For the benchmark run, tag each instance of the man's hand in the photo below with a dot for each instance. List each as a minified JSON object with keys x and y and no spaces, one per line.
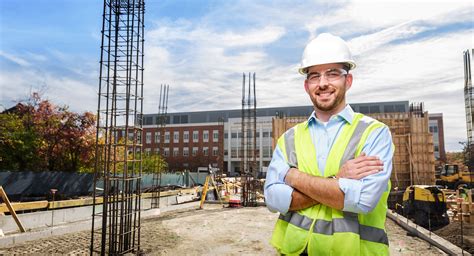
{"x":360,"y":167}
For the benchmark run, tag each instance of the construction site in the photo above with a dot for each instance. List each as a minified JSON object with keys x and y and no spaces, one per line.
{"x":205,"y":194}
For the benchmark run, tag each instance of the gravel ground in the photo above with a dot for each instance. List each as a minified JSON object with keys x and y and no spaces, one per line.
{"x":212,"y":231}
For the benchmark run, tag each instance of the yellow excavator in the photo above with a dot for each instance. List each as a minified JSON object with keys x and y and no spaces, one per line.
{"x":452,"y":177}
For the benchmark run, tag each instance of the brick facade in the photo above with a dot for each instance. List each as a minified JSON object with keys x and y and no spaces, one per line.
{"x":187,"y":147}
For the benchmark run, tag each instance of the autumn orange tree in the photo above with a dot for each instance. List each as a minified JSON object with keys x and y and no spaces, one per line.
{"x":37,"y":135}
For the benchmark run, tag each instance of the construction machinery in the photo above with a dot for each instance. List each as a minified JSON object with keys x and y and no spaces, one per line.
{"x":452,"y":177}
{"x":426,"y":205}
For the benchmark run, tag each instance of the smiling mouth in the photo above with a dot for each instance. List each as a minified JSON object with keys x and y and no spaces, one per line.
{"x":325,"y":94}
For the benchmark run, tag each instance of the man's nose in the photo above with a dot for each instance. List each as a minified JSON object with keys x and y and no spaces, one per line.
{"x":323,"y":82}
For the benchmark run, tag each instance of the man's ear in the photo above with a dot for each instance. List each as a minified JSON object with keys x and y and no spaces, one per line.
{"x":306,"y":86}
{"x":348,"y":81}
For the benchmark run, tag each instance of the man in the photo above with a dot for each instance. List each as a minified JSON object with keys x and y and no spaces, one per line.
{"x":330,"y":176}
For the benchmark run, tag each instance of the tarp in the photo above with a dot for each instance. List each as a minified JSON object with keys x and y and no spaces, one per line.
{"x":29,"y":186}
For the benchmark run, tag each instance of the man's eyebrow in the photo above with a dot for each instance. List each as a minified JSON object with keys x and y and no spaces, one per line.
{"x":314,"y":73}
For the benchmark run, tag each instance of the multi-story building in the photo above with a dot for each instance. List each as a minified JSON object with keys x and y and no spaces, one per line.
{"x":186,"y":146}
{"x":187,"y":143}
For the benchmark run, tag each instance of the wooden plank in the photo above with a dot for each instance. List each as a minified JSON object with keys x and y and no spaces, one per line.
{"x":10,"y":208}
{"x":426,"y":235}
{"x":25,"y":206}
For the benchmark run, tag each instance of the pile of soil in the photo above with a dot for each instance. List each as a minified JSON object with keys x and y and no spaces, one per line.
{"x":452,"y":233}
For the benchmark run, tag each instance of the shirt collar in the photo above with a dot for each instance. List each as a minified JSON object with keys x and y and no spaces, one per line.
{"x":346,"y":114}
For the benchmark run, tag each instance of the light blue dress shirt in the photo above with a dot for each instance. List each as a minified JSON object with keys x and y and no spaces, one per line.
{"x":360,"y":196}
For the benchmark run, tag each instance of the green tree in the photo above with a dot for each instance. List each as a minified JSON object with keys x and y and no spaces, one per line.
{"x":18,"y":144}
{"x":153,"y":162}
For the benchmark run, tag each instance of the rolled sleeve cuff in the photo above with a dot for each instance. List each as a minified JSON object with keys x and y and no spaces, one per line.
{"x":352,"y":190}
{"x":278,"y":198}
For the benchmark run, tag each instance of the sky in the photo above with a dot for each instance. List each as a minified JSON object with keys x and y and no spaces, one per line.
{"x":406,"y":50}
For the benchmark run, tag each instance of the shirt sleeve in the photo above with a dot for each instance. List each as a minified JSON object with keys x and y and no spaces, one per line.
{"x":277,"y":193}
{"x":362,"y":196}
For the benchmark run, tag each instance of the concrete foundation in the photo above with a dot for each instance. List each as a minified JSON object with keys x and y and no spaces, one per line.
{"x":62,"y":221}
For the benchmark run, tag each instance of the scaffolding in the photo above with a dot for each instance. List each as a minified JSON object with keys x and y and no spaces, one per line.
{"x":161,"y":123}
{"x":469,"y":107}
{"x":248,"y":142}
{"x":118,"y":166}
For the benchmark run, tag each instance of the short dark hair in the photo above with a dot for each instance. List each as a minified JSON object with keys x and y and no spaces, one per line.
{"x":346,"y":67}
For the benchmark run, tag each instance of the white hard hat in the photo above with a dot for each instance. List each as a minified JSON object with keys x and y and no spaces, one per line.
{"x":325,"y":49}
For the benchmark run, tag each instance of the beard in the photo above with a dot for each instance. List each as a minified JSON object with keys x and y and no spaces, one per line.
{"x":332,"y":104}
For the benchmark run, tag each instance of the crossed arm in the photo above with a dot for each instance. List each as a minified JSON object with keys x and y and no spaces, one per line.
{"x":310,"y":190}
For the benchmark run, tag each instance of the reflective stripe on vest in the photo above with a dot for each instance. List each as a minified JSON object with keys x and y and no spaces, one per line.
{"x":290,"y":148}
{"x":349,"y":223}
{"x":351,"y":148}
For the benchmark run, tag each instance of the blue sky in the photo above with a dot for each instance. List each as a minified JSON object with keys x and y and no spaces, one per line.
{"x":405,"y":50}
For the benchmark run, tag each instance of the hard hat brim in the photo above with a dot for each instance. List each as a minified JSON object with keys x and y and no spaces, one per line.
{"x":350,"y":63}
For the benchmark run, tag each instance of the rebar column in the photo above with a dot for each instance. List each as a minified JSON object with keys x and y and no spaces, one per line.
{"x":248,"y":163}
{"x":118,"y":166}
{"x":468,"y":101}
{"x":161,"y":124}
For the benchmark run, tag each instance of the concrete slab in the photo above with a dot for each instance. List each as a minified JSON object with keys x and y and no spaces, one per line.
{"x":71,"y":220}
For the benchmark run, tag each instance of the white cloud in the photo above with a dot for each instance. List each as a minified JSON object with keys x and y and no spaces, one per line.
{"x":15,"y":59}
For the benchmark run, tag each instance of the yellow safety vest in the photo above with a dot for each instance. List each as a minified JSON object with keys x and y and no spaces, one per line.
{"x":320,"y":229}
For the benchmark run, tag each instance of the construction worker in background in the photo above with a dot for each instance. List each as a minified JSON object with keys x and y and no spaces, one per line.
{"x":330,"y":175}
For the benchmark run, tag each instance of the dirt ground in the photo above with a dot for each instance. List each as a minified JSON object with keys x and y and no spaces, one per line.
{"x":452,"y":233}
{"x":212,"y":231}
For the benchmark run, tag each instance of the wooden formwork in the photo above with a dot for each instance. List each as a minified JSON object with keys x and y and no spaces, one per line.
{"x":413,"y":161}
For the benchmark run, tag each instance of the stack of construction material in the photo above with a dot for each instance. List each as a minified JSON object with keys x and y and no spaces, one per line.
{"x":413,"y":161}
{"x":460,"y":205}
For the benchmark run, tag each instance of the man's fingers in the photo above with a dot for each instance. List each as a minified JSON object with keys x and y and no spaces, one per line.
{"x":368,"y":163}
{"x":363,"y":158}
{"x":365,"y":174}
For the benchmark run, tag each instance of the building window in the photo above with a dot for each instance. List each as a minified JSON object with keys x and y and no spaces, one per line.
{"x":148,"y":137}
{"x":186,"y":136}
{"x":205,"y":136}
{"x":130,"y":135}
{"x":167,"y":137}
{"x":157,"y":137}
{"x":186,"y":151}
{"x":147,"y":151}
{"x":167,"y":152}
{"x":215,"y":151}
{"x":234,"y":135}
{"x":195,"y":136}
{"x":176,"y":136}
{"x":175,"y":152}
{"x":195,"y":151}
{"x":157,"y":150}
{"x":266,"y":151}
{"x":205,"y":151}
{"x":215,"y":135}
{"x":233,"y":152}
